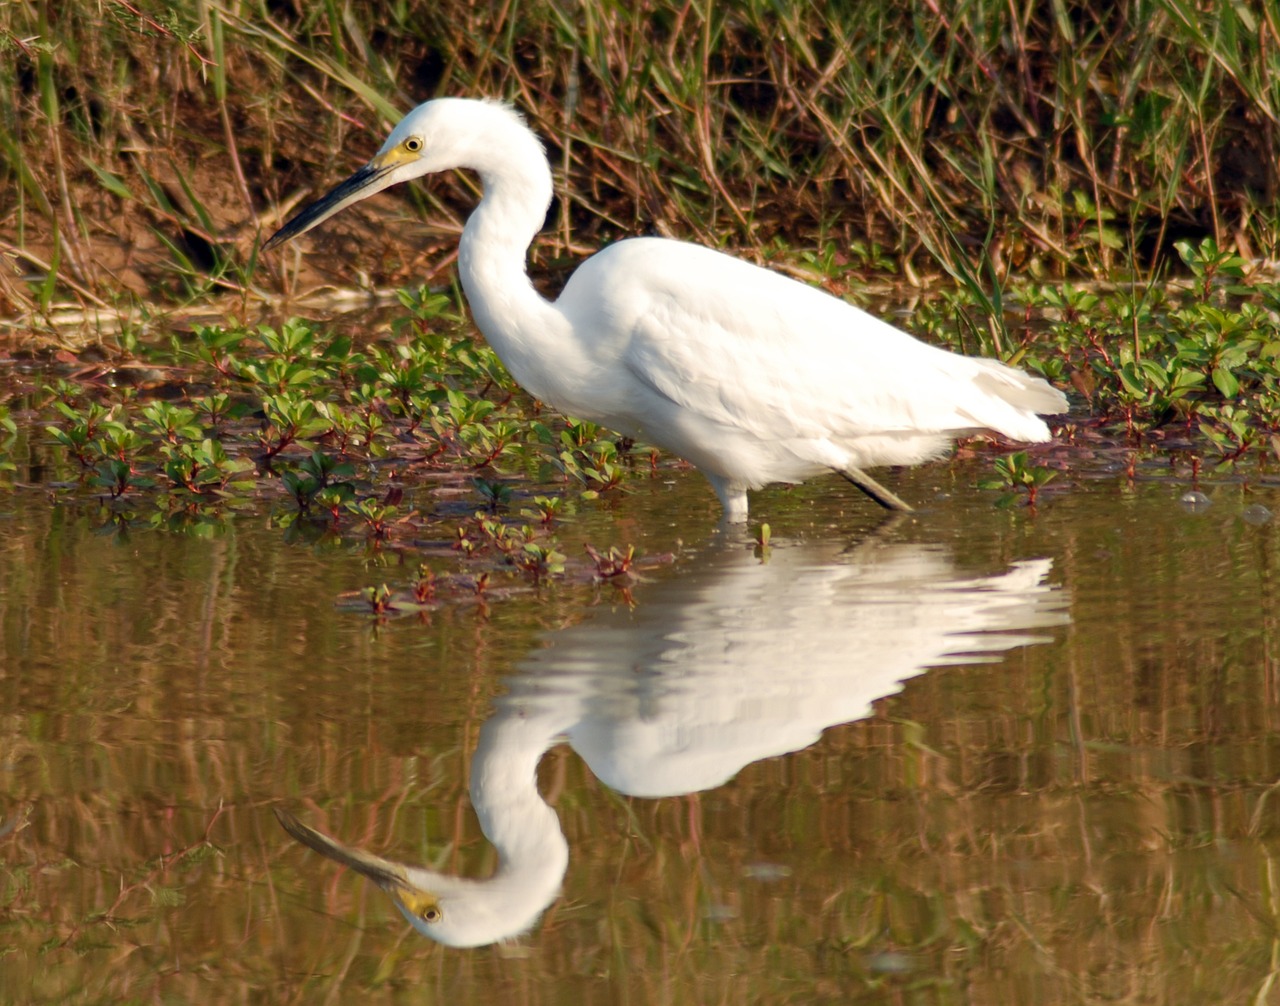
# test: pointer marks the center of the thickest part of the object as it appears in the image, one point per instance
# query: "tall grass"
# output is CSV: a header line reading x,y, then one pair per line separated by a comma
x,y
146,147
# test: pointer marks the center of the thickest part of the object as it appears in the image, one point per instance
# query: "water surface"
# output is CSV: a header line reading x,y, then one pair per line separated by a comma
x,y
980,755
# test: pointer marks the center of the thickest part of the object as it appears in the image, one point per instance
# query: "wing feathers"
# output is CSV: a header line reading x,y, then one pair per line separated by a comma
x,y
747,349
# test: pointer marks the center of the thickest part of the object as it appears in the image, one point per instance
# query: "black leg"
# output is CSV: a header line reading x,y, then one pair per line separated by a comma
x,y
875,490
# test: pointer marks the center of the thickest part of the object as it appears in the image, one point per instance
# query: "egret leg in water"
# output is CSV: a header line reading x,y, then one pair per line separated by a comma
x,y
750,376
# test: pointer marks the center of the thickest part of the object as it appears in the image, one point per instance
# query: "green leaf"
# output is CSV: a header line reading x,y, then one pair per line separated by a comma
x,y
1133,383
112,183
1226,383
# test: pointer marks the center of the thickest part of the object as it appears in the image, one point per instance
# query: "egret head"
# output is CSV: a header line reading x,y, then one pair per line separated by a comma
x,y
455,911
437,136
420,906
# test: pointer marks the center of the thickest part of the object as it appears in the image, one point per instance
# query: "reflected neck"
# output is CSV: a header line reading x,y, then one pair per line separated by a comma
x,y
524,830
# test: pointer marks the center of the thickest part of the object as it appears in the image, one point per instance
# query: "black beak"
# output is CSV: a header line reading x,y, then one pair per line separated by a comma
x,y
386,874
365,182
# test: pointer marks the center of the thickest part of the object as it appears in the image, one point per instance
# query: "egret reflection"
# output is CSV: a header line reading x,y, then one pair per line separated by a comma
x,y
735,661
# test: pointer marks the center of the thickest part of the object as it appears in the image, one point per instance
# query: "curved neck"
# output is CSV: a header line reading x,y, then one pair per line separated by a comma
x,y
524,830
533,854
511,314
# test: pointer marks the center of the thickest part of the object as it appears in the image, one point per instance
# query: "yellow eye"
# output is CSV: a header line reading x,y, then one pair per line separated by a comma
x,y
413,144
432,914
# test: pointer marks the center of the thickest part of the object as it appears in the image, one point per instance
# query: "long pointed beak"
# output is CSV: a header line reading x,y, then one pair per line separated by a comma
x,y
373,177
383,872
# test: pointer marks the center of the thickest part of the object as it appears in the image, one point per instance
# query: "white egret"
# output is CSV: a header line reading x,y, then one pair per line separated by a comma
x,y
737,661
750,376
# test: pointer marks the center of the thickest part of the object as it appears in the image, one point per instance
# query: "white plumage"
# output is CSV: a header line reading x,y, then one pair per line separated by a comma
x,y
750,376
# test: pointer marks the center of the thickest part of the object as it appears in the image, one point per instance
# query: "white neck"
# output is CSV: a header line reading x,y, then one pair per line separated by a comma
x,y
513,316
504,792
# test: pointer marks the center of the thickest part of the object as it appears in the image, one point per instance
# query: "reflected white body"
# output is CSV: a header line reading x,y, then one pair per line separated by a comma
x,y
734,661
747,374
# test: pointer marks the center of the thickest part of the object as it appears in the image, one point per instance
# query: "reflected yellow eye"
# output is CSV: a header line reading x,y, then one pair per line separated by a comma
x,y
413,144
420,905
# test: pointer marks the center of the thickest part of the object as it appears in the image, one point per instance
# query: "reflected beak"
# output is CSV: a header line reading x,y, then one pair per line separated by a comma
x,y
373,177
383,872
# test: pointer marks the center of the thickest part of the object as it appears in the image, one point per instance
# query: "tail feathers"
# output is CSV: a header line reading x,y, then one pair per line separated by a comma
x,y
1024,397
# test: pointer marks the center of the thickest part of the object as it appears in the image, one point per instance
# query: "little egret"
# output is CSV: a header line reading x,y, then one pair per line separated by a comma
x,y
750,376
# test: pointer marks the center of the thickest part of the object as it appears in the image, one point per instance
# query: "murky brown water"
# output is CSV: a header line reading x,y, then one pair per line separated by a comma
x,y
753,809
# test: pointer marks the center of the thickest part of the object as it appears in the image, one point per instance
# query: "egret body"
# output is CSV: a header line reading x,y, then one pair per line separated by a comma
x,y
749,375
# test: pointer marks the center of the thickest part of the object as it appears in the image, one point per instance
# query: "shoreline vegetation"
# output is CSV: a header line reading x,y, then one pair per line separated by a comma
x,y
147,149
1084,189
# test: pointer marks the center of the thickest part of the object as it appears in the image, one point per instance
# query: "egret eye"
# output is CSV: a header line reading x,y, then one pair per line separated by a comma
x,y
413,144
432,914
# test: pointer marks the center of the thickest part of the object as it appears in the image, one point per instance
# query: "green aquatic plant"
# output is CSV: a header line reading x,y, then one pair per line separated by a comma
x,y
1212,266
1147,391
403,372
495,492
546,509
1147,356
213,346
289,419
340,408
378,518
170,423
614,563
204,467
589,458
116,477
379,598
1016,472
1230,430
79,429
219,408
317,474
540,560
